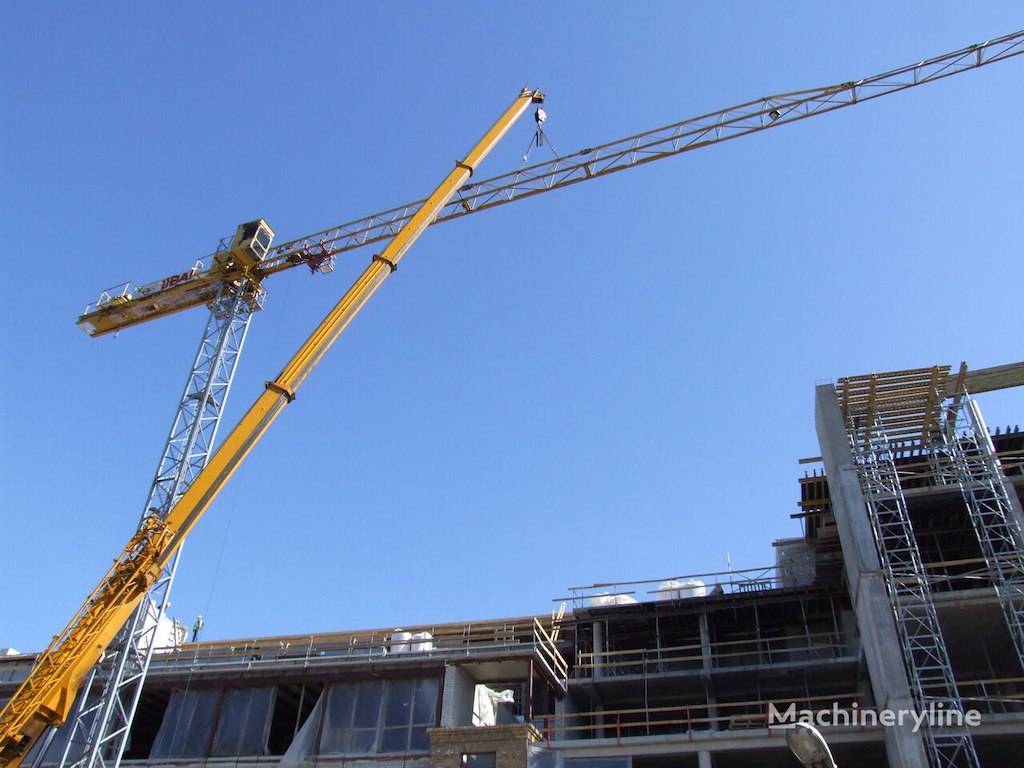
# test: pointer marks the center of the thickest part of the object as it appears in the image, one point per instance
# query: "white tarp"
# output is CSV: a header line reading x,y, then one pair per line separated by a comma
x,y
485,704
300,751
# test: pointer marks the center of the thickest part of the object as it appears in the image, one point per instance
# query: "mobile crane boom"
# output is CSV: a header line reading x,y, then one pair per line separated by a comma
x,y
46,696
129,304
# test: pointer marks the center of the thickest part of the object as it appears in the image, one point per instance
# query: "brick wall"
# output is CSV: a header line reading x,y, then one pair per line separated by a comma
x,y
507,742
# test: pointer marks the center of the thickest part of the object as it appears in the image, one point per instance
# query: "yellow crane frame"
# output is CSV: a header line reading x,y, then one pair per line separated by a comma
x,y
45,698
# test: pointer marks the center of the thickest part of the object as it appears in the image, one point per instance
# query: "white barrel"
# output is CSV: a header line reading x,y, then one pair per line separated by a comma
x,y
400,641
422,641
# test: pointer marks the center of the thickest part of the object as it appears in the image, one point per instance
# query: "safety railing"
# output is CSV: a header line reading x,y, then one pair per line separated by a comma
x,y
993,695
990,697
526,635
548,648
685,720
802,648
709,584
522,635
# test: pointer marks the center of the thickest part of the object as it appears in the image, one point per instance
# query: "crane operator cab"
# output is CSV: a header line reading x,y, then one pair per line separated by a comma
x,y
249,246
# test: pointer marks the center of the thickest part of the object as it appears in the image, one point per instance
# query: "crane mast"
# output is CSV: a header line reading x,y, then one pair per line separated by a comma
x,y
230,283
97,730
46,696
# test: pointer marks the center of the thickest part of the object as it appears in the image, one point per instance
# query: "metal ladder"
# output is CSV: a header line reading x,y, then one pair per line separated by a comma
x,y
912,404
978,472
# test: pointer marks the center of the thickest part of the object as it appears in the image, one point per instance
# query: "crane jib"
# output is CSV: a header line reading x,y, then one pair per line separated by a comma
x,y
128,307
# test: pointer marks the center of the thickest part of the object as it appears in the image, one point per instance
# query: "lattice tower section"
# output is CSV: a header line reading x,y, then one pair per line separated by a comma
x,y
976,469
882,411
99,727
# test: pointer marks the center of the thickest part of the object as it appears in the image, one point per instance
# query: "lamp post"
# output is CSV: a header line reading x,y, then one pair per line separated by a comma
x,y
809,746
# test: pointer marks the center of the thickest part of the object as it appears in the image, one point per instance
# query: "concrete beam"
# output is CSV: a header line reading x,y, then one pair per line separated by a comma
x,y
871,605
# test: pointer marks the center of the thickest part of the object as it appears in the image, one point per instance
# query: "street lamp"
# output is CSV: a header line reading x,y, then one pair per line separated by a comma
x,y
809,746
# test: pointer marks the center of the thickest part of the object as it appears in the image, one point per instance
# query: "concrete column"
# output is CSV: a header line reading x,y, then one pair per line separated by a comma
x,y
457,697
875,621
598,672
705,644
706,667
565,715
704,759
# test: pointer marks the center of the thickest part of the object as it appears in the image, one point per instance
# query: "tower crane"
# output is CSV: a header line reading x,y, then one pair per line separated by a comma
x,y
47,695
121,616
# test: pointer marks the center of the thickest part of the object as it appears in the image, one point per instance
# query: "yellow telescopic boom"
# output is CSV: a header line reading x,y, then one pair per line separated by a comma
x,y
46,696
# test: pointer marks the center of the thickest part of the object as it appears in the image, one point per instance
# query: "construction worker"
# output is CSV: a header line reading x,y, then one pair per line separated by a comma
x,y
197,628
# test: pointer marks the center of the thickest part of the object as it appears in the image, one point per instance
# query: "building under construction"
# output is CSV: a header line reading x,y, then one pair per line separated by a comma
x,y
895,625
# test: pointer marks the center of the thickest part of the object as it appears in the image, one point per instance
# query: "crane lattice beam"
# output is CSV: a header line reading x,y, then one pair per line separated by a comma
x,y
695,133
123,307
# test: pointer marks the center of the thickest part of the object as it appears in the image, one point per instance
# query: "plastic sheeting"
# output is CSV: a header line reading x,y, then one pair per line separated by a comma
x,y
485,704
351,718
367,718
199,722
244,722
605,599
302,750
187,724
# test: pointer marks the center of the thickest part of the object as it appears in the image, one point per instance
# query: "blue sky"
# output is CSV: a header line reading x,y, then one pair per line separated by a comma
x,y
609,382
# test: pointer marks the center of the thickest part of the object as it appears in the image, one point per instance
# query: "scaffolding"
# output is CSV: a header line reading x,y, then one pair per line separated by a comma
x,y
882,411
976,469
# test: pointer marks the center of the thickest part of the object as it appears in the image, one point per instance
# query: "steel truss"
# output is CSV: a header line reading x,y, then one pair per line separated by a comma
x,y
925,656
978,472
99,727
319,249
695,133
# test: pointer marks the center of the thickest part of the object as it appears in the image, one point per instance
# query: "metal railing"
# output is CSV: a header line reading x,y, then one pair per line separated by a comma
x,y
524,636
685,720
720,654
707,584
